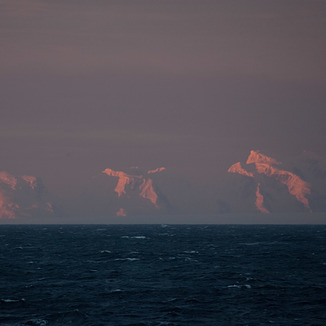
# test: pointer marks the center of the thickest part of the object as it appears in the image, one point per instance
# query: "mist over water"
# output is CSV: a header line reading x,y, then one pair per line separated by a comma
x,y
162,275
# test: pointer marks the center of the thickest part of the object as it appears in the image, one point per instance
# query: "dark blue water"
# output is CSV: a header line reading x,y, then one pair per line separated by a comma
x,y
162,275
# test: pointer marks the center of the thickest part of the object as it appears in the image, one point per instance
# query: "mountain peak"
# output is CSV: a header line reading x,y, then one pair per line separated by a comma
x,y
257,157
266,165
142,183
21,197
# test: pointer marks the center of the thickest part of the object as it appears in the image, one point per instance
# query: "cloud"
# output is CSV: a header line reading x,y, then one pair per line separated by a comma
x,y
22,7
265,165
98,135
131,182
22,197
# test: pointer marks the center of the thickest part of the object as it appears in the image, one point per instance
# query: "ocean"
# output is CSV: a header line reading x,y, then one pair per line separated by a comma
x,y
162,275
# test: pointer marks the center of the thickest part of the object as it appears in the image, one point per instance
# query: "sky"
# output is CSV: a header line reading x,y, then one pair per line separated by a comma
x,y
192,86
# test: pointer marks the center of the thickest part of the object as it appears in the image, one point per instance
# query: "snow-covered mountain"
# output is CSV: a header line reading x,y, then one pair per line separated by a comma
x,y
23,196
135,186
266,173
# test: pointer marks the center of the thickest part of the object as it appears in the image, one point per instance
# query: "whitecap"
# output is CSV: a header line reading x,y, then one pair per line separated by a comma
x,y
105,251
9,300
133,259
251,243
12,300
39,322
262,243
128,258
29,286
246,286
234,286
172,300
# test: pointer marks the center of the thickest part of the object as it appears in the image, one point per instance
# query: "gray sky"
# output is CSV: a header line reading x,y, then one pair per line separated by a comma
x,y
189,85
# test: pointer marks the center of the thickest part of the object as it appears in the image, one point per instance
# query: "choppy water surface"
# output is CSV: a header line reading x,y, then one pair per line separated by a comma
x,y
162,275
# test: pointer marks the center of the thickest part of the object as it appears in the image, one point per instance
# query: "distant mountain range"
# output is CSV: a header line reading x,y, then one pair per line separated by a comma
x,y
260,164
260,184
128,184
22,196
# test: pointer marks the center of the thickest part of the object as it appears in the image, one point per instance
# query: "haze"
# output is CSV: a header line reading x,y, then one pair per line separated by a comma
x,y
193,86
